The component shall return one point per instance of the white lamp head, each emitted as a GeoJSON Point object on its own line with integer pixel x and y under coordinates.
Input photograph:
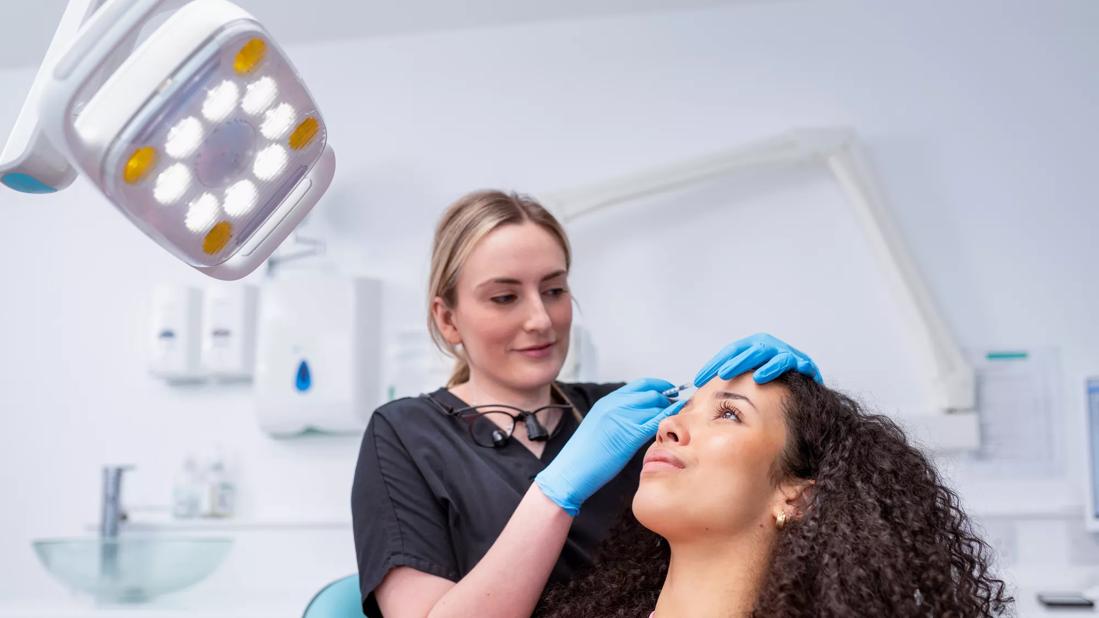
{"type": "Point", "coordinates": [204, 136]}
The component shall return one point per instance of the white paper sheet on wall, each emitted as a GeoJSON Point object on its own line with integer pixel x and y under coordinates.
{"type": "Point", "coordinates": [1021, 434]}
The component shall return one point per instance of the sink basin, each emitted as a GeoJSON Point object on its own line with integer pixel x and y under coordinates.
{"type": "Point", "coordinates": [131, 568]}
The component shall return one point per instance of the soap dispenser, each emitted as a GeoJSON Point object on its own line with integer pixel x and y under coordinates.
{"type": "Point", "coordinates": [174, 333]}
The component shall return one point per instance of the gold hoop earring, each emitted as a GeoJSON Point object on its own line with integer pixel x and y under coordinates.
{"type": "Point", "coordinates": [780, 520]}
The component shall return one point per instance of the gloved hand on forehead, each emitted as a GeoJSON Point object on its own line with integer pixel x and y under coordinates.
{"type": "Point", "coordinates": [768, 355]}
{"type": "Point", "coordinates": [616, 427]}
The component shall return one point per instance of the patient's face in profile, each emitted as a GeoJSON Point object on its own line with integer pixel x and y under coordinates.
{"type": "Point", "coordinates": [710, 472]}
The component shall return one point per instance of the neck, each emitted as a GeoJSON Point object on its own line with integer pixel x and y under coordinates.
{"type": "Point", "coordinates": [479, 391]}
{"type": "Point", "coordinates": [715, 578]}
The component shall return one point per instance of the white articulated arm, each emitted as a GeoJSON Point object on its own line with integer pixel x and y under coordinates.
{"type": "Point", "coordinates": [30, 162]}
{"type": "Point", "coordinates": [839, 148]}
{"type": "Point", "coordinates": [574, 203]}
{"type": "Point", "coordinates": [955, 381]}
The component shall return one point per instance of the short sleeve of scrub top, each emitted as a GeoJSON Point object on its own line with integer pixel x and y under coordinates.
{"type": "Point", "coordinates": [426, 497]}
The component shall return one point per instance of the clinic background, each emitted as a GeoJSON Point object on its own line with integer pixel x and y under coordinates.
{"type": "Point", "coordinates": [979, 120]}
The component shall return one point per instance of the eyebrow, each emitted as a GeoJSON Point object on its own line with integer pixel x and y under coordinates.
{"type": "Point", "coordinates": [510, 281]}
{"type": "Point", "coordinates": [732, 395]}
{"type": "Point", "coordinates": [727, 395]}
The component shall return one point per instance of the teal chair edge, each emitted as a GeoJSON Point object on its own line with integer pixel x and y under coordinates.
{"type": "Point", "coordinates": [337, 599]}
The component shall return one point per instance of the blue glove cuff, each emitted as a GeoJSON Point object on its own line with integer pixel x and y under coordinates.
{"type": "Point", "coordinates": [563, 501]}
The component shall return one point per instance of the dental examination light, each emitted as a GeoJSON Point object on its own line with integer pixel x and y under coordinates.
{"type": "Point", "coordinates": [201, 133]}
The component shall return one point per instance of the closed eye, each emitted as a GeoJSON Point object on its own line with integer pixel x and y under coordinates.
{"type": "Point", "coordinates": [503, 299]}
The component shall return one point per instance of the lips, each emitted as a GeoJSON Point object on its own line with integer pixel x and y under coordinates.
{"type": "Point", "coordinates": [662, 457]}
{"type": "Point", "coordinates": [536, 348]}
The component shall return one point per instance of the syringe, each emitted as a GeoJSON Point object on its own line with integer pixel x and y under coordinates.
{"type": "Point", "coordinates": [673, 393]}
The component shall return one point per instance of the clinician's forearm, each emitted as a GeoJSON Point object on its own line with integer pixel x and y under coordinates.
{"type": "Point", "coordinates": [509, 579]}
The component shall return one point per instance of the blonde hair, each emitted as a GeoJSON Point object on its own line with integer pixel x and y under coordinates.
{"type": "Point", "coordinates": [462, 226]}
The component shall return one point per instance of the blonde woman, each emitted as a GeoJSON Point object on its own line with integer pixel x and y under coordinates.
{"type": "Point", "coordinates": [467, 500]}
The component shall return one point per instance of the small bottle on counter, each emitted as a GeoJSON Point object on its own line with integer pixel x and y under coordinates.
{"type": "Point", "coordinates": [221, 490]}
{"type": "Point", "coordinates": [186, 499]}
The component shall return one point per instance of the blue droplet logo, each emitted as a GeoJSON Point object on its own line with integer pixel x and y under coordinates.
{"type": "Point", "coordinates": [304, 379]}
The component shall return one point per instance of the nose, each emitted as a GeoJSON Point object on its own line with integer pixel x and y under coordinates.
{"type": "Point", "coordinates": [538, 319]}
{"type": "Point", "coordinates": [673, 430]}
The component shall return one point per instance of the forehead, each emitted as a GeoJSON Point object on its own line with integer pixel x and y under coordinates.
{"type": "Point", "coordinates": [514, 250]}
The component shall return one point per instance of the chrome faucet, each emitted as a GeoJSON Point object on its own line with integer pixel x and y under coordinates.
{"type": "Point", "coordinates": [112, 514]}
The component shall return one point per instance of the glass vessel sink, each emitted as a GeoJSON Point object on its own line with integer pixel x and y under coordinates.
{"type": "Point", "coordinates": [131, 568]}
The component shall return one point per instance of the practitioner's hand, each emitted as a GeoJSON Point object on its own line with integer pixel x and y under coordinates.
{"type": "Point", "coordinates": [615, 428]}
{"type": "Point", "coordinates": [771, 355]}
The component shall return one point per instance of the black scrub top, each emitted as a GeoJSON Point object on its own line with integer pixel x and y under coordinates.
{"type": "Point", "coordinates": [425, 496]}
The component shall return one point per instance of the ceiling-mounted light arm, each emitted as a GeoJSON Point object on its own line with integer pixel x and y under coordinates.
{"type": "Point", "coordinates": [954, 381]}
{"type": "Point", "coordinates": [31, 162]}
{"type": "Point", "coordinates": [575, 203]}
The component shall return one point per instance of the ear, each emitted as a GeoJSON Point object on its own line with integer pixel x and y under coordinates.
{"type": "Point", "coordinates": [444, 321]}
{"type": "Point", "coordinates": [795, 496]}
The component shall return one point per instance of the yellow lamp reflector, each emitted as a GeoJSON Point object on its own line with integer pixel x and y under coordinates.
{"type": "Point", "coordinates": [139, 164]}
{"type": "Point", "coordinates": [250, 56]}
{"type": "Point", "coordinates": [304, 133]}
{"type": "Point", "coordinates": [217, 237]}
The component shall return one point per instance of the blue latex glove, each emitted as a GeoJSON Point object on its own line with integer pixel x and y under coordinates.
{"type": "Point", "coordinates": [771, 355]}
{"type": "Point", "coordinates": [616, 427]}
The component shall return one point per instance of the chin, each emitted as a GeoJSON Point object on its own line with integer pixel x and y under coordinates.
{"type": "Point", "coordinates": [530, 379]}
{"type": "Point", "coordinates": [538, 374]}
{"type": "Point", "coordinates": [653, 508]}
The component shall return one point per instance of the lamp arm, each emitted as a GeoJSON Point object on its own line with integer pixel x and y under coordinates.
{"type": "Point", "coordinates": [29, 162]}
{"type": "Point", "coordinates": [953, 376]}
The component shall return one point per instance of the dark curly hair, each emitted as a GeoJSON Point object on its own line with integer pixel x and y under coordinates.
{"type": "Point", "coordinates": [881, 534]}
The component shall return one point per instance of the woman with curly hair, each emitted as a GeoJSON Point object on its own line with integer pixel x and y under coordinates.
{"type": "Point", "coordinates": [785, 499]}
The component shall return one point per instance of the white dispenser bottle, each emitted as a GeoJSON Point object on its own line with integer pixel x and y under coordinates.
{"type": "Point", "coordinates": [318, 358]}
{"type": "Point", "coordinates": [229, 331]}
{"type": "Point", "coordinates": [173, 333]}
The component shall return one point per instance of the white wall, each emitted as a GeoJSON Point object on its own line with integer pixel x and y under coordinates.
{"type": "Point", "coordinates": [978, 117]}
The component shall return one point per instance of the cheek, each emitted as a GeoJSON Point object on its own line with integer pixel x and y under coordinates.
{"type": "Point", "coordinates": [481, 327]}
{"type": "Point", "coordinates": [561, 313]}
{"type": "Point", "coordinates": [723, 493]}
{"type": "Point", "coordinates": [745, 457]}
{"type": "Point", "coordinates": [733, 484]}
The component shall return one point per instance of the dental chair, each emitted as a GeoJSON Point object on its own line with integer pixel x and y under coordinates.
{"type": "Point", "coordinates": [338, 599]}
